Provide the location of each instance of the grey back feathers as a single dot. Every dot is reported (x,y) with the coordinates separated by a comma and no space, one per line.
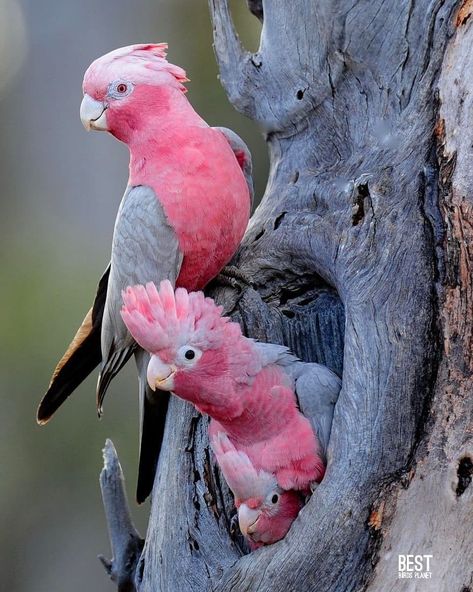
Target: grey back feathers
(316,386)
(317,389)
(271,353)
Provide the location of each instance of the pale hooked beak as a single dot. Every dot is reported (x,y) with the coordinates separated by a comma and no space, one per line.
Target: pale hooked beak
(247,519)
(92,114)
(160,375)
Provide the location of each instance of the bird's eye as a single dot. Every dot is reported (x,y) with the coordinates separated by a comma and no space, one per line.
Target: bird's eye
(275,499)
(119,89)
(190,354)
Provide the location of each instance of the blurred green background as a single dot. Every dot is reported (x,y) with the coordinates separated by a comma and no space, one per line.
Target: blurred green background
(60,193)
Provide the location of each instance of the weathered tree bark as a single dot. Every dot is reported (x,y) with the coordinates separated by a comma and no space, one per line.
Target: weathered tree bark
(360,257)
(127,544)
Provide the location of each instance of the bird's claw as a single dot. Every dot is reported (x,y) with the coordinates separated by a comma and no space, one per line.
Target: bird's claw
(313,487)
(234,277)
(234,526)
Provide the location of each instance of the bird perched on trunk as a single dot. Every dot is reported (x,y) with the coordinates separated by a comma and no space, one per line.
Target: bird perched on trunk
(269,452)
(182,217)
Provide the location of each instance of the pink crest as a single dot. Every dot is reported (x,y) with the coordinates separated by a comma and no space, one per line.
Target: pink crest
(168,318)
(140,63)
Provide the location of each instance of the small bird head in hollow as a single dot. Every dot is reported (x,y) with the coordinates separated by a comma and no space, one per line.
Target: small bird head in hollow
(265,510)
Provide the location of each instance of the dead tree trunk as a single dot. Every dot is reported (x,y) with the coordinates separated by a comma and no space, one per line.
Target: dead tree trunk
(360,256)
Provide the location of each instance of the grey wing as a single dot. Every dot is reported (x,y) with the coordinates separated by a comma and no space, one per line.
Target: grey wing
(242,154)
(272,353)
(317,389)
(145,248)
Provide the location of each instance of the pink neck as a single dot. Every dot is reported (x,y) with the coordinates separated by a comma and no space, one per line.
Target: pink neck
(162,133)
(257,412)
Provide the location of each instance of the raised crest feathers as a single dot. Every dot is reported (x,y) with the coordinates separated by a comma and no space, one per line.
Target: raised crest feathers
(140,62)
(164,318)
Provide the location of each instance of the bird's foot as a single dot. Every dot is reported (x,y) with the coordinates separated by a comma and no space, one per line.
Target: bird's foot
(313,487)
(234,277)
(234,526)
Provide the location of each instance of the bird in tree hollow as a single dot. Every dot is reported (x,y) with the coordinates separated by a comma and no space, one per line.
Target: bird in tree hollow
(182,217)
(270,454)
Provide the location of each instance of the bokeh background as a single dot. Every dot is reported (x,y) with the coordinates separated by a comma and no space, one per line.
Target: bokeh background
(60,192)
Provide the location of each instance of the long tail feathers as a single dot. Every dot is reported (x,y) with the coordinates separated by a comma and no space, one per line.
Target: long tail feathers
(115,362)
(81,357)
(152,433)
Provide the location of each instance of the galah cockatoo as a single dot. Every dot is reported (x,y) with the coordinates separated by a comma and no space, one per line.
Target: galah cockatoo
(249,390)
(182,217)
(265,510)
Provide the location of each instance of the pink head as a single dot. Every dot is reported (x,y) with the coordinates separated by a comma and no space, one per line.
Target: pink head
(195,352)
(265,511)
(127,88)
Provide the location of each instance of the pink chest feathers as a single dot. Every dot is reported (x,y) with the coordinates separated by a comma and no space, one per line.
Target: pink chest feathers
(206,199)
(216,215)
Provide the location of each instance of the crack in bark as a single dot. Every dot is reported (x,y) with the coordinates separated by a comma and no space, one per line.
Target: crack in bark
(362,193)
(278,220)
(464,473)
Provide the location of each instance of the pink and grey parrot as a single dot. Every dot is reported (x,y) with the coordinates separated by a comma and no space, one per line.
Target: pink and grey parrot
(265,510)
(182,217)
(253,392)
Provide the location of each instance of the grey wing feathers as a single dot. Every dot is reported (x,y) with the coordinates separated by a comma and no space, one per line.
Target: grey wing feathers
(271,353)
(317,389)
(111,366)
(145,248)
(242,154)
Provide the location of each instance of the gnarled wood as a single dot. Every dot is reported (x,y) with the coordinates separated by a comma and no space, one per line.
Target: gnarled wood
(444,462)
(125,541)
(359,261)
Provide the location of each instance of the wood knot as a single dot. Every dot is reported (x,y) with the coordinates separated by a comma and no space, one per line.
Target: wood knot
(376,517)
(464,13)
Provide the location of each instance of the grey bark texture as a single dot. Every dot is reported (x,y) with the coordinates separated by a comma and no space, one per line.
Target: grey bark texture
(127,544)
(360,256)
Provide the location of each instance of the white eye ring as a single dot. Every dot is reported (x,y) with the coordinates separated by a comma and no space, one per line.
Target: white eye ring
(272,499)
(188,355)
(118,89)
